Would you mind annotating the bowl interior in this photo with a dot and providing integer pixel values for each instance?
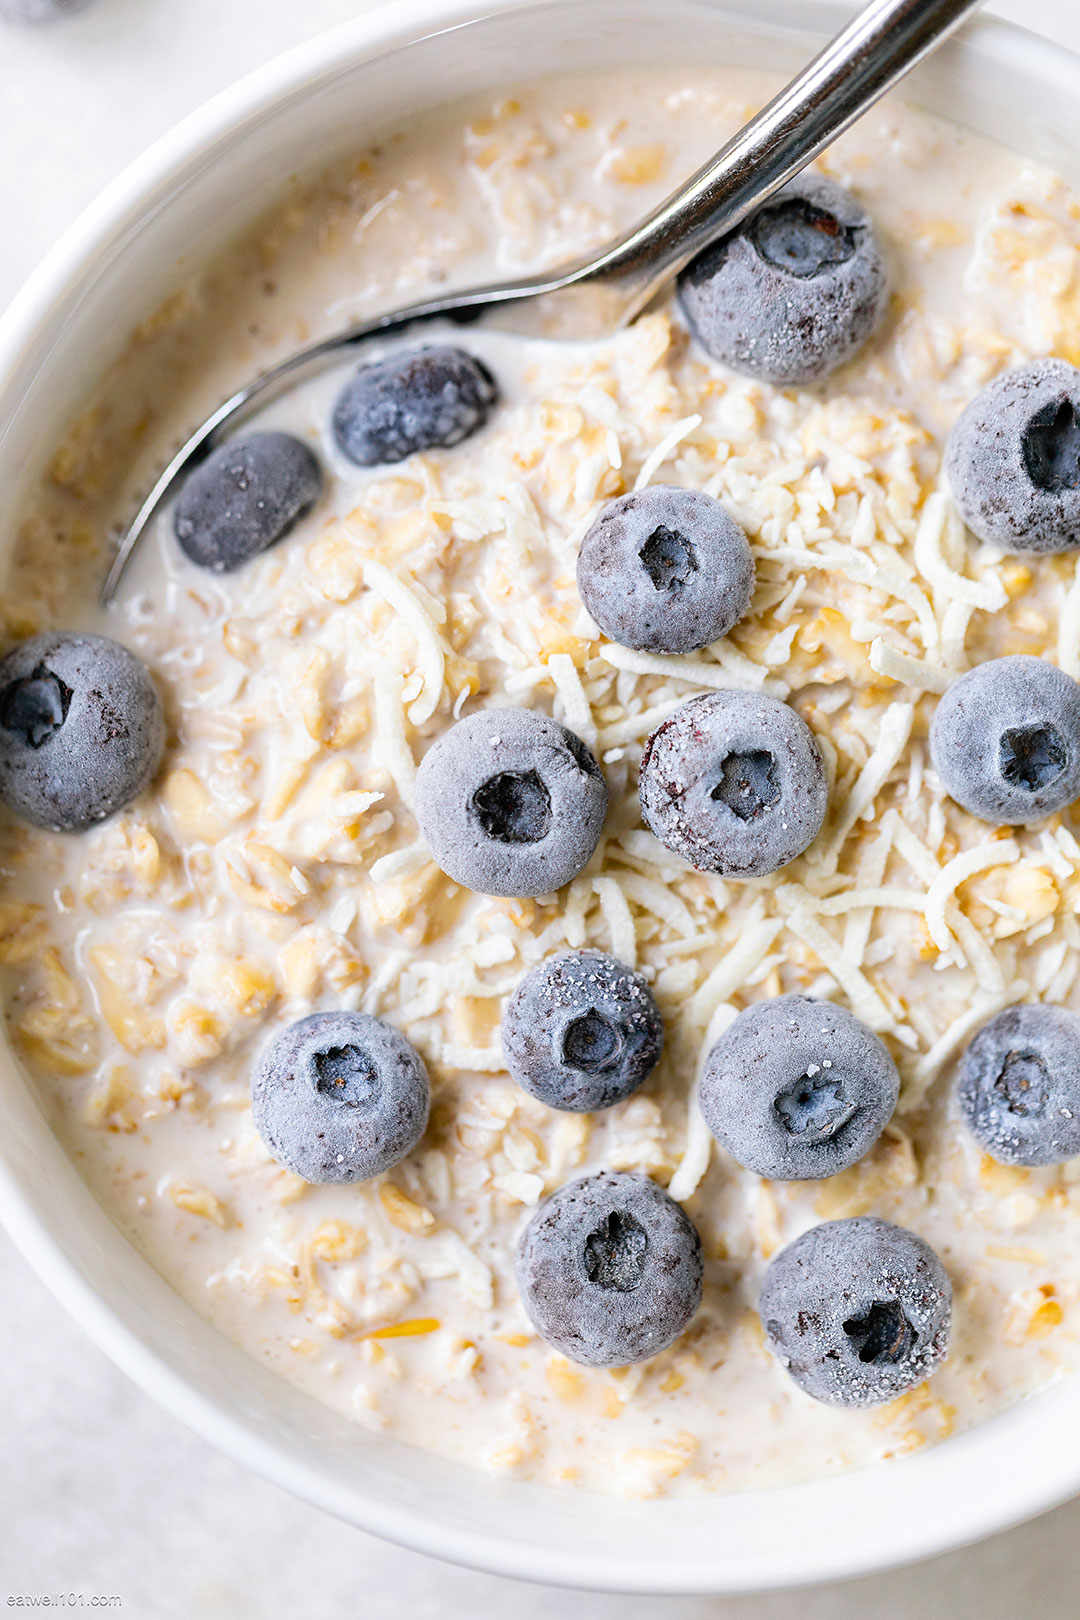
(187, 198)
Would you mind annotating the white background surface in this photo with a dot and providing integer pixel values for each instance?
(101, 1493)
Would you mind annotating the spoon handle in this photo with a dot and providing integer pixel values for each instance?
(872, 53)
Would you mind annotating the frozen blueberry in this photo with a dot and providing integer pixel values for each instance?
(857, 1311)
(339, 1096)
(581, 1032)
(1005, 740)
(40, 11)
(1013, 459)
(734, 783)
(510, 802)
(665, 570)
(244, 499)
(794, 291)
(609, 1269)
(1019, 1085)
(424, 399)
(797, 1089)
(81, 729)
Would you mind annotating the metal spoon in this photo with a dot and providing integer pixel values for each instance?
(594, 296)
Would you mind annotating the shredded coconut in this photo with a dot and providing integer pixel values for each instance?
(862, 570)
(954, 628)
(865, 1001)
(1068, 649)
(718, 677)
(636, 726)
(893, 734)
(698, 1149)
(873, 861)
(1055, 856)
(400, 863)
(968, 945)
(390, 725)
(998, 852)
(663, 903)
(619, 919)
(656, 457)
(430, 651)
(930, 560)
(575, 705)
(855, 899)
(900, 666)
(473, 1059)
(732, 970)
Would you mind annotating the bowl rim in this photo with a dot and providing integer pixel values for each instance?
(105, 222)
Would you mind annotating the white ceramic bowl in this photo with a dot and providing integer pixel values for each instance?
(197, 185)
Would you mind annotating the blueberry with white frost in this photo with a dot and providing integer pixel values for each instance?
(1019, 1085)
(793, 291)
(421, 399)
(244, 499)
(1013, 459)
(858, 1311)
(340, 1096)
(797, 1089)
(665, 570)
(1005, 740)
(510, 802)
(81, 729)
(581, 1032)
(609, 1270)
(734, 783)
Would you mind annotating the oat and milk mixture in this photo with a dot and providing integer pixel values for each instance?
(274, 868)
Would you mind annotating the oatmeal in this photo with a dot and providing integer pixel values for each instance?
(274, 868)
